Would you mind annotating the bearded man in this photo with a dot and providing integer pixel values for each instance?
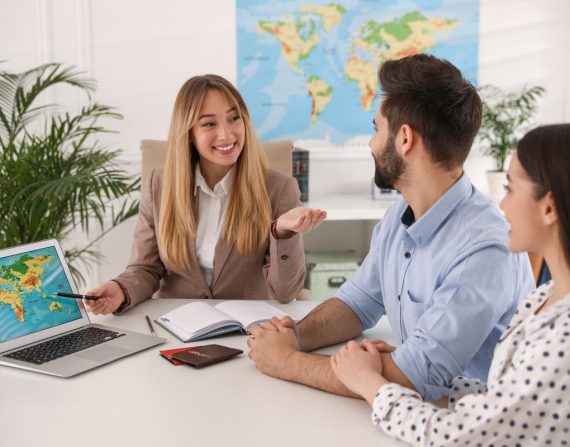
(438, 265)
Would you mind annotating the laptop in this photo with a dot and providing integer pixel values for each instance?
(48, 334)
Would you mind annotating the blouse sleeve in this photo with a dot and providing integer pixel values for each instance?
(528, 402)
(462, 386)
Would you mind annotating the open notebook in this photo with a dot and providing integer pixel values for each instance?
(196, 321)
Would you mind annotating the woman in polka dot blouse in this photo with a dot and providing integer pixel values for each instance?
(527, 398)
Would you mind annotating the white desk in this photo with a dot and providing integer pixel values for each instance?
(143, 400)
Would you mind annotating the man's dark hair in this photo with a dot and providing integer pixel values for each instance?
(432, 96)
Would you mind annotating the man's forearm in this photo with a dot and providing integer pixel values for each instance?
(330, 323)
(392, 373)
(315, 371)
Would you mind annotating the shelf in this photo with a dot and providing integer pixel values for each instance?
(351, 206)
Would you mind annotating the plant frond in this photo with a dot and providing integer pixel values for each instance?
(504, 117)
(57, 178)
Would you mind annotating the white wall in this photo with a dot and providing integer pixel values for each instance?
(141, 51)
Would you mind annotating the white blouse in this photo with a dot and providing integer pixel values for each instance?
(211, 211)
(526, 402)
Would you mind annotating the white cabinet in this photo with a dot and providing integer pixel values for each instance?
(350, 207)
(349, 224)
(340, 182)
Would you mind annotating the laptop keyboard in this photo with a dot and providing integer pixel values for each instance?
(64, 345)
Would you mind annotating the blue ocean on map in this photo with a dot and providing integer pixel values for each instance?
(27, 282)
(308, 71)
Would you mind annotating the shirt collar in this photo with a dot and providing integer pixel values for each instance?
(426, 226)
(222, 187)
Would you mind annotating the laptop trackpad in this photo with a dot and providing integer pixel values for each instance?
(103, 353)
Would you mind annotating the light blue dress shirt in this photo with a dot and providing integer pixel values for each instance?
(447, 283)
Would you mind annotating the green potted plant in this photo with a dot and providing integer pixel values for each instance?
(505, 116)
(56, 179)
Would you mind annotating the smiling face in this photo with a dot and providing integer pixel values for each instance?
(522, 210)
(389, 165)
(219, 133)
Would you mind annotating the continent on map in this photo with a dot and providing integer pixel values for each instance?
(363, 72)
(55, 306)
(308, 69)
(320, 93)
(12, 299)
(404, 36)
(294, 45)
(21, 277)
(297, 35)
(28, 271)
(331, 15)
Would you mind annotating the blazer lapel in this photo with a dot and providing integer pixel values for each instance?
(223, 250)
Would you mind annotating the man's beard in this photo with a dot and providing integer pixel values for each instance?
(389, 166)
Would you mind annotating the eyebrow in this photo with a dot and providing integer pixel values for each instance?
(211, 115)
(374, 121)
(509, 177)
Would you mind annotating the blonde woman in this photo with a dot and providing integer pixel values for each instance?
(216, 222)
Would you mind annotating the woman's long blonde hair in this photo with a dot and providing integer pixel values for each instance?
(248, 214)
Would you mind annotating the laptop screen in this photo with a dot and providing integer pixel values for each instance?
(27, 283)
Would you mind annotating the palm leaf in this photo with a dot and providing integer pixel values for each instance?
(56, 177)
(505, 116)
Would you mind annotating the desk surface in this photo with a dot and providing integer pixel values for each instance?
(143, 400)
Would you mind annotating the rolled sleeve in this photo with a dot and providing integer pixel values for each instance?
(363, 293)
(477, 293)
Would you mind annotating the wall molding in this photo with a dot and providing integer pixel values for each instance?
(83, 19)
(44, 17)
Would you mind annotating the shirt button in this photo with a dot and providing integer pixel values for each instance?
(408, 255)
(284, 257)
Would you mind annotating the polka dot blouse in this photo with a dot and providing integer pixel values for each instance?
(526, 401)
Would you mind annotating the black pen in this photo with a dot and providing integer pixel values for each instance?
(150, 325)
(77, 296)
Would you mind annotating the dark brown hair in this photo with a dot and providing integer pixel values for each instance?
(544, 154)
(432, 96)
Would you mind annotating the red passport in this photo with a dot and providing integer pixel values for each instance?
(167, 354)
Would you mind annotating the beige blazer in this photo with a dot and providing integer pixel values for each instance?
(278, 272)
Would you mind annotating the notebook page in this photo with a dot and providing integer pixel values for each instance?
(250, 312)
(194, 318)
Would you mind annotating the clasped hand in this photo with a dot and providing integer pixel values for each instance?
(271, 344)
(359, 366)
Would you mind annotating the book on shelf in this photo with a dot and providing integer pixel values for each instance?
(301, 171)
(197, 321)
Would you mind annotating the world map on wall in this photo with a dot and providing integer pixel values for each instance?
(308, 70)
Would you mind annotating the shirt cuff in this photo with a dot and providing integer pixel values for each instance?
(274, 233)
(286, 248)
(414, 363)
(126, 302)
(353, 297)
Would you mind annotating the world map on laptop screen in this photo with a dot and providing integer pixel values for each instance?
(27, 282)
